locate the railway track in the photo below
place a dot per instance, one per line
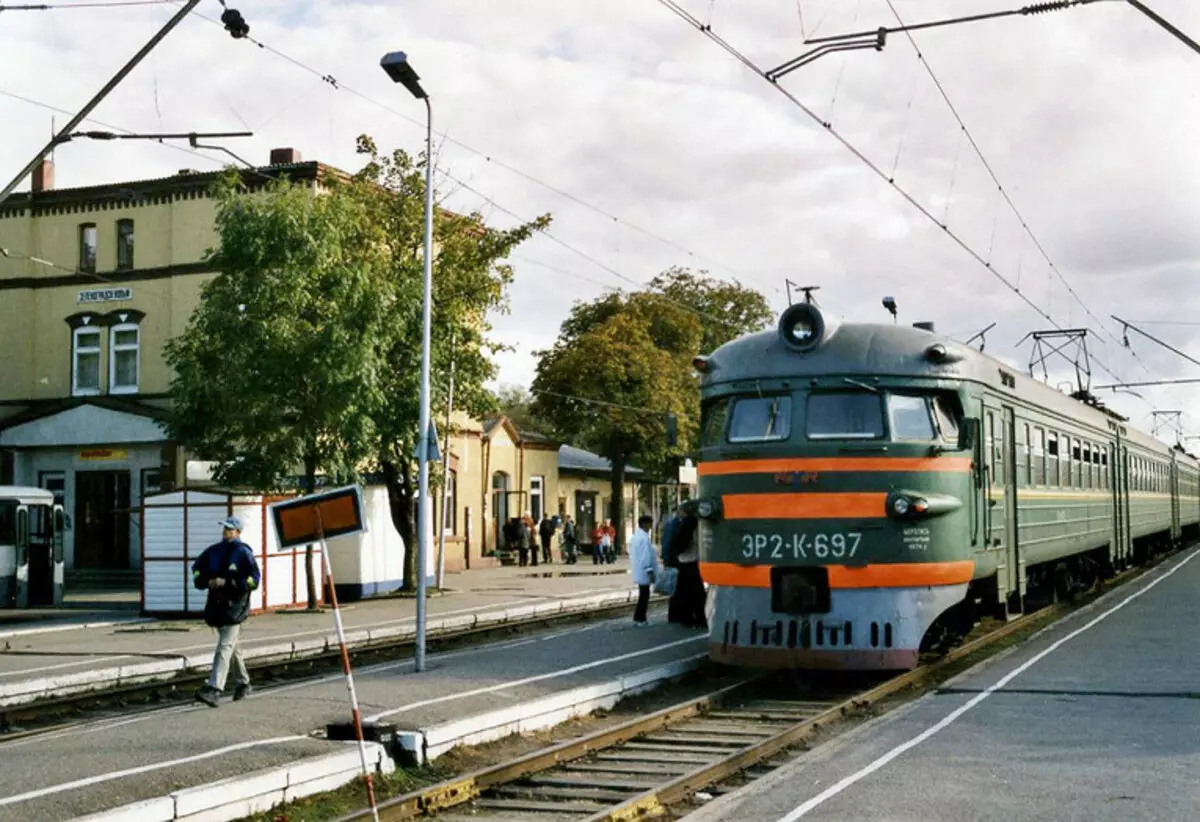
(59, 713)
(657, 764)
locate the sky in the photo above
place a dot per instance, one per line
(651, 146)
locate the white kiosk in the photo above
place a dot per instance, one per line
(31, 548)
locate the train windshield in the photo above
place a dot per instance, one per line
(923, 417)
(854, 415)
(758, 419)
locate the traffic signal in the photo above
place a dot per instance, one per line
(234, 24)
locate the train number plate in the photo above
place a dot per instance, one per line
(834, 545)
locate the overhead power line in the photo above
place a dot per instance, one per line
(708, 32)
(337, 85)
(98, 4)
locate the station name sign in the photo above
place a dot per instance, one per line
(105, 295)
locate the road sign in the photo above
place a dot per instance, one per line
(435, 453)
(306, 520)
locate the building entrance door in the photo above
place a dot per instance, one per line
(102, 520)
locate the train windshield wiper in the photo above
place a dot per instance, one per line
(858, 384)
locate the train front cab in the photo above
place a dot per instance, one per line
(790, 584)
(31, 548)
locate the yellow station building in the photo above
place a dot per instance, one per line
(93, 282)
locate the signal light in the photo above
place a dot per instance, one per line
(235, 24)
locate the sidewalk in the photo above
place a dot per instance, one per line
(55, 658)
(191, 761)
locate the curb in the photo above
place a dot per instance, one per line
(424, 745)
(23, 692)
(72, 626)
(260, 791)
(242, 796)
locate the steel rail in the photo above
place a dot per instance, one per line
(281, 668)
(657, 800)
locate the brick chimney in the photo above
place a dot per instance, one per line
(284, 156)
(43, 176)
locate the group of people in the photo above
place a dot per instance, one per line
(679, 551)
(519, 536)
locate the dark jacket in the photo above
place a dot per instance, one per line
(681, 541)
(235, 563)
(546, 529)
(668, 533)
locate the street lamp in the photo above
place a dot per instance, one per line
(401, 71)
(890, 304)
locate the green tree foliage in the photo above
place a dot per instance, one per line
(622, 364)
(516, 403)
(306, 351)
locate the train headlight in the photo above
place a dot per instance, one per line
(705, 508)
(917, 505)
(802, 326)
(900, 505)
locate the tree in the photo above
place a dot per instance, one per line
(622, 364)
(516, 403)
(469, 282)
(276, 368)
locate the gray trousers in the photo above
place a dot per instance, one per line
(227, 649)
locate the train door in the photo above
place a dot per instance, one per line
(1176, 531)
(1117, 478)
(1013, 574)
(1126, 551)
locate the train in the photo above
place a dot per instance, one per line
(868, 492)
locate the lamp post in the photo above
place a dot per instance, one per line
(890, 304)
(401, 71)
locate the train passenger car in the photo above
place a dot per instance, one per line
(865, 490)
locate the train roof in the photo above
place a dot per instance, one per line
(25, 493)
(865, 350)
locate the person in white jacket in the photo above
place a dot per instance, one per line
(643, 565)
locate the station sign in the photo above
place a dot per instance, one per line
(317, 517)
(105, 295)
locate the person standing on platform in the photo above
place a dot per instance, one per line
(570, 541)
(687, 603)
(643, 566)
(546, 532)
(229, 572)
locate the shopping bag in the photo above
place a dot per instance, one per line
(665, 581)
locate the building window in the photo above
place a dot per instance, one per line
(85, 372)
(87, 248)
(124, 245)
(124, 346)
(151, 481)
(537, 486)
(450, 501)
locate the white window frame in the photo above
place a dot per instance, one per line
(76, 390)
(114, 349)
(537, 488)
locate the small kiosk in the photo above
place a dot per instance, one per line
(31, 548)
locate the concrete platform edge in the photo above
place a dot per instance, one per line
(22, 692)
(427, 744)
(241, 796)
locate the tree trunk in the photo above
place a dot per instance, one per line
(618, 501)
(310, 485)
(400, 501)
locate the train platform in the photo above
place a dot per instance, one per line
(62, 655)
(194, 761)
(1093, 719)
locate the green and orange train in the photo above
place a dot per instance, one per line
(866, 491)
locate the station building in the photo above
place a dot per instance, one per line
(93, 283)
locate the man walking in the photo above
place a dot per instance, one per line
(546, 532)
(229, 572)
(643, 566)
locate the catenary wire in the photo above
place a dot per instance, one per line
(339, 86)
(708, 32)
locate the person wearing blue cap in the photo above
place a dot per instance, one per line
(229, 572)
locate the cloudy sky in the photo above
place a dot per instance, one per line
(651, 147)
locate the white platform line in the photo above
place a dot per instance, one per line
(538, 678)
(108, 777)
(837, 788)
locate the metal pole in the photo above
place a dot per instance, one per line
(423, 458)
(441, 555)
(95, 101)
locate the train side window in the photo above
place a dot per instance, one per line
(910, 418)
(945, 409)
(712, 422)
(1052, 459)
(1104, 468)
(854, 415)
(759, 419)
(1087, 465)
(989, 438)
(1028, 478)
(1039, 456)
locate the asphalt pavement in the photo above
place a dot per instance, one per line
(1094, 719)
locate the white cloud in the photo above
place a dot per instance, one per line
(1087, 117)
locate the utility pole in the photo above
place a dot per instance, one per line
(95, 101)
(441, 557)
